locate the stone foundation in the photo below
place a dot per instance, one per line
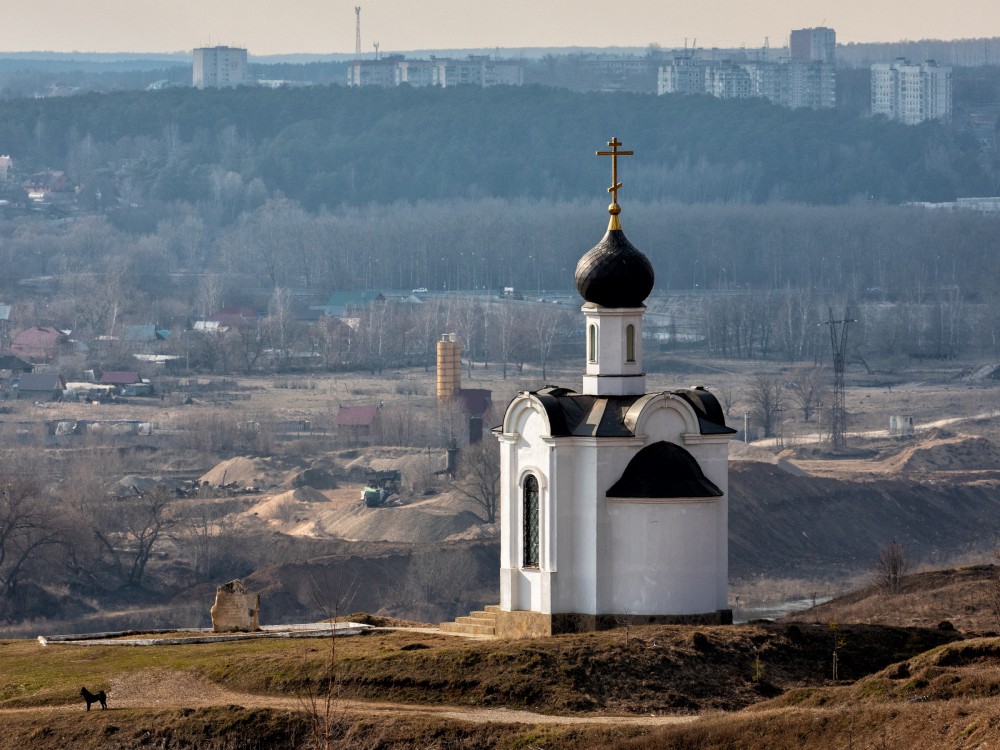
(525, 624)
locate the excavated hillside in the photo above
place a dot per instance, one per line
(790, 524)
(803, 513)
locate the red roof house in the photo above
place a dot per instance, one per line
(38, 343)
(355, 424)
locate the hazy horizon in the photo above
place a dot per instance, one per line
(321, 27)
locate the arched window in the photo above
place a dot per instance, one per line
(630, 343)
(592, 343)
(530, 508)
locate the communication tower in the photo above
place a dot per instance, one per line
(357, 30)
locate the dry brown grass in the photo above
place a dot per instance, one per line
(960, 596)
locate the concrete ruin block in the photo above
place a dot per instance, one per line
(901, 424)
(236, 608)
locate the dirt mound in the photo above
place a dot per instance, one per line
(247, 472)
(943, 452)
(287, 505)
(475, 533)
(409, 524)
(319, 478)
(132, 485)
(414, 465)
(339, 514)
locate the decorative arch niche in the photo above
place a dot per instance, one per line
(663, 470)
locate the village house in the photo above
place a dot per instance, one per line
(143, 339)
(40, 386)
(356, 424)
(40, 343)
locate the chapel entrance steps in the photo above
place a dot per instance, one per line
(482, 622)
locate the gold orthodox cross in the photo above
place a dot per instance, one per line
(614, 209)
(614, 153)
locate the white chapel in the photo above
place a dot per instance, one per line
(614, 501)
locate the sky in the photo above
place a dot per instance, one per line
(267, 27)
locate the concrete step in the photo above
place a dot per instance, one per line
(467, 628)
(480, 622)
(492, 616)
(472, 620)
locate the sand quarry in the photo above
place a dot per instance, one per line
(304, 511)
(284, 505)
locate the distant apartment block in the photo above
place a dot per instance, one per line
(813, 45)
(790, 83)
(395, 70)
(219, 67)
(804, 79)
(480, 70)
(911, 93)
(380, 72)
(416, 72)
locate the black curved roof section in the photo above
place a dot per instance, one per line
(711, 419)
(572, 414)
(614, 273)
(663, 470)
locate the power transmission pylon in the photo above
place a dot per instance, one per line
(838, 413)
(357, 31)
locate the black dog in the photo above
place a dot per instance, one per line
(91, 698)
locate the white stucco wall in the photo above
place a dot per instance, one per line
(612, 556)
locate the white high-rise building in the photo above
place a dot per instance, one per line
(911, 93)
(219, 67)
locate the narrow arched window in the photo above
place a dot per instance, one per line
(530, 508)
(592, 343)
(630, 343)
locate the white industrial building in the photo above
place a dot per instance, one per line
(911, 93)
(219, 67)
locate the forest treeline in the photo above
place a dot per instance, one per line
(758, 278)
(339, 147)
(193, 200)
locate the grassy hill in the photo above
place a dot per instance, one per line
(965, 596)
(395, 688)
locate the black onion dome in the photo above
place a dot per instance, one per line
(614, 273)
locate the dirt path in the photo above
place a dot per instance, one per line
(155, 689)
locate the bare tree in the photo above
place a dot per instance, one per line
(26, 526)
(467, 316)
(209, 294)
(249, 339)
(479, 476)
(281, 323)
(546, 325)
(890, 567)
(506, 328)
(129, 530)
(766, 399)
(809, 390)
